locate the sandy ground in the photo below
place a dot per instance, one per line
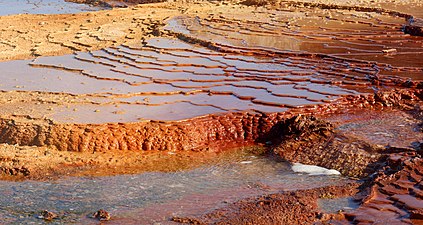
(28, 36)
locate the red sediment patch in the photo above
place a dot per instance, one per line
(296, 138)
(393, 195)
(296, 207)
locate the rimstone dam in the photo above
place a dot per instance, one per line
(211, 112)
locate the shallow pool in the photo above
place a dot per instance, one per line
(154, 196)
(42, 7)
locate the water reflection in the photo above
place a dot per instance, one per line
(131, 195)
(42, 7)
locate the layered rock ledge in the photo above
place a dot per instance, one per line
(167, 86)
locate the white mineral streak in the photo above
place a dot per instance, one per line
(313, 170)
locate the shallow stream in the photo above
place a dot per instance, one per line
(154, 196)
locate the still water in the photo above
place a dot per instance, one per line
(153, 196)
(42, 7)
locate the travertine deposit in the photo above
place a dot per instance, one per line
(331, 83)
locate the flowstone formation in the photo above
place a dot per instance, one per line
(327, 83)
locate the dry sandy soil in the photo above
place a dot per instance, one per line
(27, 36)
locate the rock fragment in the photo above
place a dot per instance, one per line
(47, 215)
(102, 215)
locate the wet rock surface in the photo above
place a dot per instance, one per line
(321, 145)
(394, 195)
(391, 175)
(168, 86)
(296, 207)
(223, 178)
(289, 138)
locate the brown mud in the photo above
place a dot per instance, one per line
(173, 86)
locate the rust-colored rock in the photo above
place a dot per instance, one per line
(296, 207)
(208, 132)
(102, 215)
(312, 141)
(394, 194)
(47, 215)
(223, 79)
(391, 192)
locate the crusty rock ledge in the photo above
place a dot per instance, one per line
(389, 191)
(206, 132)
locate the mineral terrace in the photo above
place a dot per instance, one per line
(165, 86)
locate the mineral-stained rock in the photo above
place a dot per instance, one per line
(102, 215)
(327, 50)
(292, 207)
(312, 141)
(47, 215)
(394, 195)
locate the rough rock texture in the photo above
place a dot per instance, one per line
(28, 36)
(392, 175)
(389, 7)
(343, 60)
(194, 134)
(296, 138)
(414, 25)
(312, 141)
(394, 195)
(296, 207)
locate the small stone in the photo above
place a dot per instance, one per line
(46, 215)
(102, 215)
(119, 112)
(387, 51)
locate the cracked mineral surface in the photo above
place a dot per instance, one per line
(206, 103)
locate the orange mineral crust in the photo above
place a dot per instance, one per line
(212, 102)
